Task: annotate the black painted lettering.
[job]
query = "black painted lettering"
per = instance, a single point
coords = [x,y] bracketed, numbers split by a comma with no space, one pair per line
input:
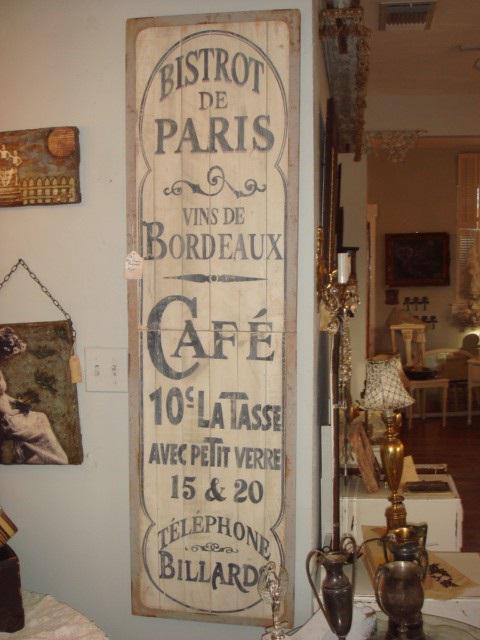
[263,132]
[189,134]
[240,68]
[221,72]
[154,336]
[166,82]
[166,128]
[219,338]
[192,68]
[218,129]
[154,231]
[256,338]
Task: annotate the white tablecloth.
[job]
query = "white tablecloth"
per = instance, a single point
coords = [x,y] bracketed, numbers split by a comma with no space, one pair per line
[48,619]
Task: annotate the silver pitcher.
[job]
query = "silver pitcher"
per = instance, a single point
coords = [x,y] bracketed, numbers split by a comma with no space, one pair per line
[407,543]
[399,593]
[337,590]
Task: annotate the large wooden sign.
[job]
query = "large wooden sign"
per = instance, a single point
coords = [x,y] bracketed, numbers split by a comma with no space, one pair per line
[212,167]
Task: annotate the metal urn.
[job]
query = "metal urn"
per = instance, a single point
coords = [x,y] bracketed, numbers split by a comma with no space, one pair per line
[399,593]
[337,590]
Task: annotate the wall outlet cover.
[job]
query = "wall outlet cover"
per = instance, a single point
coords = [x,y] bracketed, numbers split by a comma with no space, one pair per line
[106,369]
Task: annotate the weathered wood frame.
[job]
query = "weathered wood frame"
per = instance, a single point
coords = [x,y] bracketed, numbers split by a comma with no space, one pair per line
[292,20]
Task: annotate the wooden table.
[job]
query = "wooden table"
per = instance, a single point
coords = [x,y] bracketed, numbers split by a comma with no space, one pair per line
[442,510]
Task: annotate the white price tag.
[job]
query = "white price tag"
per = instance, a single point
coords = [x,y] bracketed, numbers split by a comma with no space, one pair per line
[133,266]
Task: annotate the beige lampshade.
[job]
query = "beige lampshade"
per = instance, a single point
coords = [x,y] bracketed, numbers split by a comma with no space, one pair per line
[384,390]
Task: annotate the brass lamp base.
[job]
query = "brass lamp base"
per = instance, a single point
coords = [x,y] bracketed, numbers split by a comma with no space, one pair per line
[392,454]
[396,514]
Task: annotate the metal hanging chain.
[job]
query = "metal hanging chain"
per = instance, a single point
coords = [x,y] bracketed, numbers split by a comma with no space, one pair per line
[21,262]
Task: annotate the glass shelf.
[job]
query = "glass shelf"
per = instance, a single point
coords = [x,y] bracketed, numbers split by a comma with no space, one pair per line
[435,628]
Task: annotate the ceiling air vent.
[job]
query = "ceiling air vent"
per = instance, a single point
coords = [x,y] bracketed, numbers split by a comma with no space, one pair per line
[398,15]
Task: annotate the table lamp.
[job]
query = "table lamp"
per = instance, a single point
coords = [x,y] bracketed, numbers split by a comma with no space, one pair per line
[385,392]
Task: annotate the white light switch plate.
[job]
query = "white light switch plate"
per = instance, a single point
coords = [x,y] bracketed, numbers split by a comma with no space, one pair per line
[106,369]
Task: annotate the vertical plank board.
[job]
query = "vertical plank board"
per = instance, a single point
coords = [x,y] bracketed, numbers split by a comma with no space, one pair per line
[212,164]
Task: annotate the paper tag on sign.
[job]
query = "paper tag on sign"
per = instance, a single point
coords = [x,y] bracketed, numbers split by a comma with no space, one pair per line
[75,369]
[133,266]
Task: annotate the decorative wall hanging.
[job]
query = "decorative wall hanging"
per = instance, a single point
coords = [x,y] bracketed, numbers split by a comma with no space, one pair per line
[39,166]
[346,48]
[417,259]
[212,135]
[396,142]
[39,420]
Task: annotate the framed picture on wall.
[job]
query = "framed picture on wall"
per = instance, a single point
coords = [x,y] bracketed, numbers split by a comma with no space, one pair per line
[417,259]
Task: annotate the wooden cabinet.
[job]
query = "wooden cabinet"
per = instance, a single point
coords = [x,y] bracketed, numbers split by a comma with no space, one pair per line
[442,511]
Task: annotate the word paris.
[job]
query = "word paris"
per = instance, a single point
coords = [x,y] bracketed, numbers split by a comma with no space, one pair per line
[212,146]
[218,66]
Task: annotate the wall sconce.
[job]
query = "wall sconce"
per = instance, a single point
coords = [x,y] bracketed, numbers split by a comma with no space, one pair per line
[337,295]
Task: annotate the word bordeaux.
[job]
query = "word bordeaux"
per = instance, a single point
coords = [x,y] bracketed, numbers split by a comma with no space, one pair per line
[204,246]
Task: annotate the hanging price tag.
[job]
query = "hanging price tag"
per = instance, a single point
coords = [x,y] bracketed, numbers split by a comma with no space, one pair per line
[133,266]
[75,369]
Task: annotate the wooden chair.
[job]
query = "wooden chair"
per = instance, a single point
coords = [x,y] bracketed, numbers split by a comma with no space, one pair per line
[452,364]
[418,390]
[413,335]
[473,382]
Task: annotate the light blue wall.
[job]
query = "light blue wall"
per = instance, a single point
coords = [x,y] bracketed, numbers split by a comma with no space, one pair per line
[63,64]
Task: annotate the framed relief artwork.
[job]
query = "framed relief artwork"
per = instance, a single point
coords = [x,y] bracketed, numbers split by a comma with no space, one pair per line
[39,167]
[212,148]
[417,259]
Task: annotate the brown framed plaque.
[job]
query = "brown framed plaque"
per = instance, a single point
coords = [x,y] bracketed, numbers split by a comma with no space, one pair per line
[212,148]
[417,259]
[39,167]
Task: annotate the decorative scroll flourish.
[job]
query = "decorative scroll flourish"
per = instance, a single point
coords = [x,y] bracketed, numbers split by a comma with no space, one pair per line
[215,178]
[201,278]
[396,143]
[212,546]
[346,48]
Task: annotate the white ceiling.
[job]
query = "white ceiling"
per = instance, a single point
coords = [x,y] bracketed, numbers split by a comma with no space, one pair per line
[426,62]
